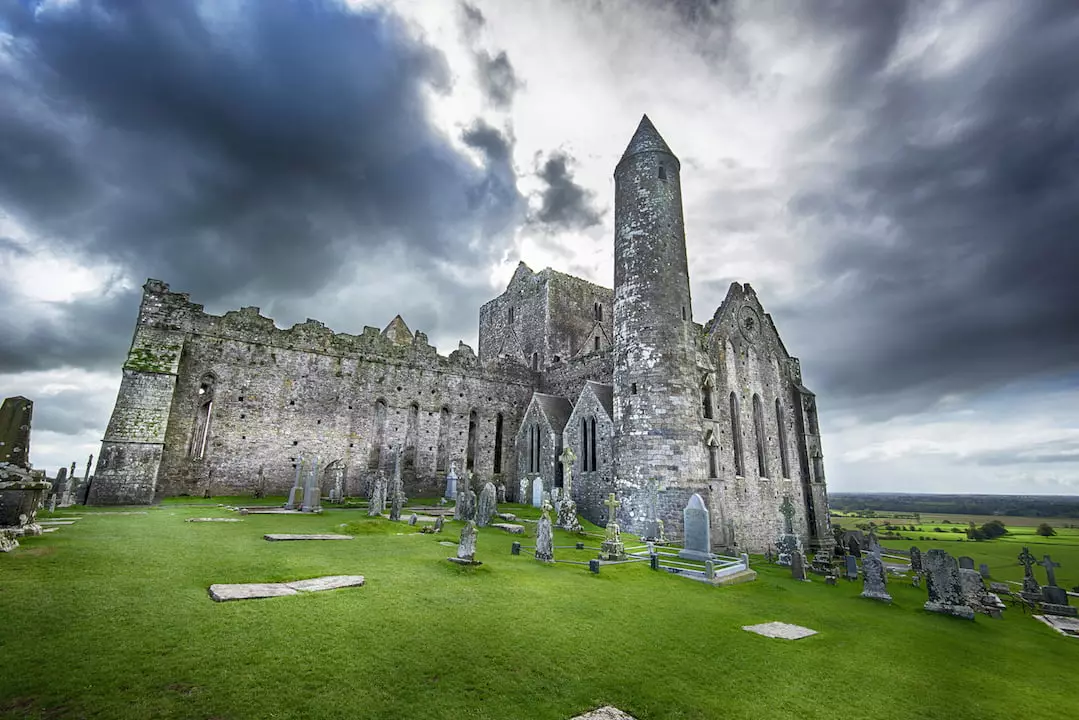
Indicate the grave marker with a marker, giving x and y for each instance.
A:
(698, 539)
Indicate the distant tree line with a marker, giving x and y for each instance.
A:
(1034, 506)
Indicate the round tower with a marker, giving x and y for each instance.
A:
(657, 398)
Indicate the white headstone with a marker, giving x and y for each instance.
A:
(698, 532)
(537, 491)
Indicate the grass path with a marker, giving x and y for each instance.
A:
(110, 618)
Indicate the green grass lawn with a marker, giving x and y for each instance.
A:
(110, 618)
(1001, 554)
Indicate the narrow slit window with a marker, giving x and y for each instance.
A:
(662, 173)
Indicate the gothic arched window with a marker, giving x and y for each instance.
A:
(758, 426)
(736, 436)
(204, 406)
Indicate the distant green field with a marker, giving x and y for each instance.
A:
(956, 518)
(1000, 554)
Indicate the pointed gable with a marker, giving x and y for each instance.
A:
(604, 395)
(397, 332)
(556, 408)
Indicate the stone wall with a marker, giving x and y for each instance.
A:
(550, 447)
(591, 488)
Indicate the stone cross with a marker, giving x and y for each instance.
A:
(612, 508)
(1048, 564)
(1027, 560)
(787, 508)
(567, 458)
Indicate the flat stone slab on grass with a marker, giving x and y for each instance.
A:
(785, 631)
(270, 511)
(213, 520)
(287, 536)
(55, 522)
(607, 712)
(447, 543)
(510, 528)
(253, 591)
(1064, 625)
(125, 512)
(52, 529)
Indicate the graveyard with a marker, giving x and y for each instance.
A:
(110, 616)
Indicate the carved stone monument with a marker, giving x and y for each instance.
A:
(487, 506)
(466, 546)
(698, 530)
(377, 500)
(21, 494)
(874, 578)
(451, 482)
(788, 542)
(545, 537)
(612, 548)
(397, 490)
(537, 491)
(1031, 589)
(942, 582)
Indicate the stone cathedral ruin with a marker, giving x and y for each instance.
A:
(655, 407)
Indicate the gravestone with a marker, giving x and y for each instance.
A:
(61, 488)
(522, 490)
(1030, 585)
(853, 548)
(966, 562)
(798, 565)
(413, 519)
(1055, 595)
(975, 595)
(21, 492)
(555, 495)
(544, 537)
(567, 458)
(788, 542)
(1050, 570)
(537, 491)
(822, 562)
(439, 521)
(567, 516)
(916, 561)
(378, 495)
(451, 482)
(466, 546)
(397, 491)
(698, 538)
(487, 506)
(466, 505)
(983, 570)
(851, 568)
(312, 496)
(501, 493)
(612, 548)
(942, 582)
(295, 495)
(874, 578)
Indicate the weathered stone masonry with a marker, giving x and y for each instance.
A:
(655, 406)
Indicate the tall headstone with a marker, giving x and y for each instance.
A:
(522, 490)
(451, 482)
(466, 546)
(1030, 585)
(377, 501)
(943, 584)
(61, 488)
(853, 548)
(698, 530)
(874, 578)
(84, 487)
(975, 596)
(397, 490)
(567, 458)
(501, 493)
(537, 491)
(545, 537)
(487, 506)
(21, 493)
(612, 548)
(798, 565)
(850, 570)
(966, 562)
(312, 493)
(295, 495)
(788, 542)
(983, 570)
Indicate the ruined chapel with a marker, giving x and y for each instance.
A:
(655, 406)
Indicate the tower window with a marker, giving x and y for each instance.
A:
(597, 343)
(684, 312)
(509, 314)
(662, 173)
(597, 310)
(633, 389)
(535, 362)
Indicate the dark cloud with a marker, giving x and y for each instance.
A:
(564, 204)
(949, 224)
(472, 20)
(497, 78)
(250, 154)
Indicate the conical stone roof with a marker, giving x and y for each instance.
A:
(646, 139)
